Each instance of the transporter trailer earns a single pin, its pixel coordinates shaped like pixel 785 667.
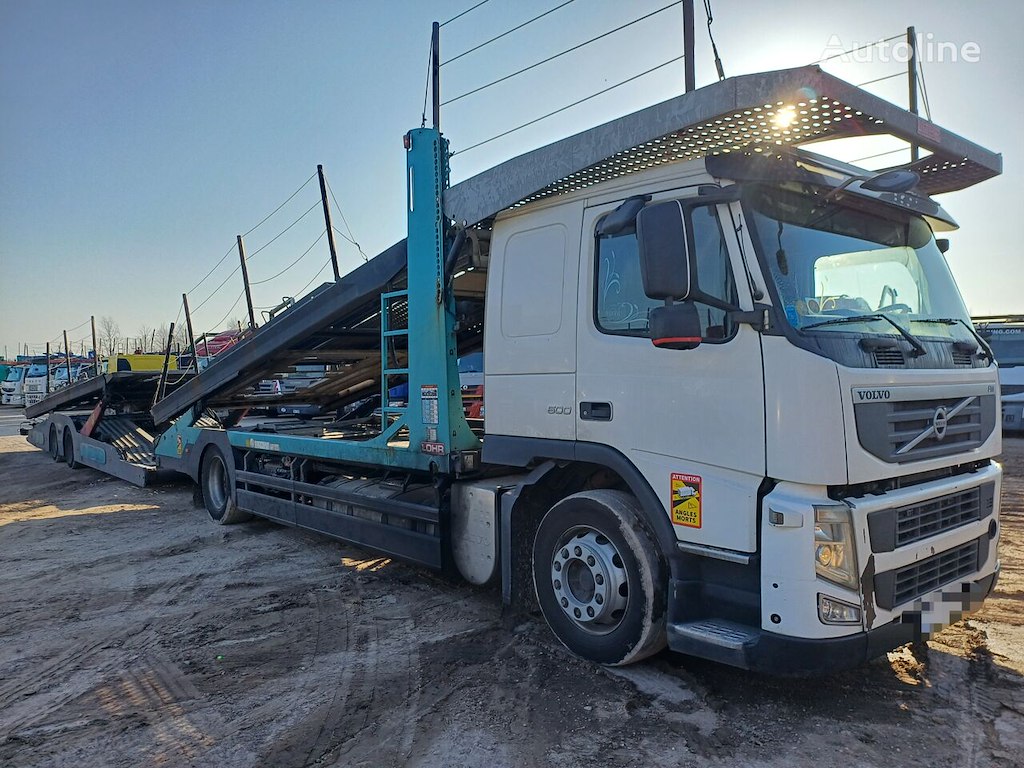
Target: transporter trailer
pixel 734 402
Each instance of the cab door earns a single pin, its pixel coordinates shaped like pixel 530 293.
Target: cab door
pixel 692 421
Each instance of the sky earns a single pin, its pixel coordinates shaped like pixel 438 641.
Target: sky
pixel 137 139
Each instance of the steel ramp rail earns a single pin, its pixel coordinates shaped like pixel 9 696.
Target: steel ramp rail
pixel 133 389
pixel 131 441
pixel 727 116
pixel 336 323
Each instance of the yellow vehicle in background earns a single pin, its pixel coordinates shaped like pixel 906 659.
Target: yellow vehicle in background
pixel 140 362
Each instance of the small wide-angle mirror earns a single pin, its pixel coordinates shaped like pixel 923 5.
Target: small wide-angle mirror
pixel 622 218
pixel 675 326
pixel 892 181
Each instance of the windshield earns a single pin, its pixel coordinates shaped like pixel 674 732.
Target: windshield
pixel 1007 345
pixel 35 371
pixel 15 374
pixel 61 373
pixel 831 261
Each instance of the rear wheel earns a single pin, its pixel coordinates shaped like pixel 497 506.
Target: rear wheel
pixel 215 480
pixel 69 450
pixel 600 579
pixel 53 445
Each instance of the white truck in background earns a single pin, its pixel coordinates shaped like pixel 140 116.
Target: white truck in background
pixel 1005 334
pixel 38 376
pixel 12 390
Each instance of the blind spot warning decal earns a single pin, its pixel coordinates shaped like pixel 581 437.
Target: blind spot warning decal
pixel 686 500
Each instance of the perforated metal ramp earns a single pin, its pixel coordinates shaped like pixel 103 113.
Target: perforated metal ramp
pixel 336 323
pixel 124 388
pixel 723 117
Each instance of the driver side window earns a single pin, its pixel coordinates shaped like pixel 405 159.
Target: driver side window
pixel 622 307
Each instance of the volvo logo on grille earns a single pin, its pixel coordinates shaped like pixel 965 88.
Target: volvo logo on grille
pixel 939 425
pixel 939 422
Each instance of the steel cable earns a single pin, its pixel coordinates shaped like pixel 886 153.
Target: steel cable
pixel 558 55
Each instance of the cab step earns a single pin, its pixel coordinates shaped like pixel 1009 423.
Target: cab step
pixel 715 639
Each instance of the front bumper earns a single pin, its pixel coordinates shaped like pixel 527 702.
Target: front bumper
pixel 775 654
pixel 780 655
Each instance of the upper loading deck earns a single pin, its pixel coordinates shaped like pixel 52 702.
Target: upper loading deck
pixel 340 324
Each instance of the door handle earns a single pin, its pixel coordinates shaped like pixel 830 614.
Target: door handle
pixel 592 411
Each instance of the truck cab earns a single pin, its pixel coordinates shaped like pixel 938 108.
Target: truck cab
pixel 820 433
pixel 12 390
pixel 36 381
pixel 1005 335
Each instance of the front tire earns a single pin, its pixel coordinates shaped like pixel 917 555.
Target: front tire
pixel 600 579
pixel 215 481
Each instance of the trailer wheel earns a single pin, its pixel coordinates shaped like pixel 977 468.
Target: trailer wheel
pixel 53 445
pixel 215 480
pixel 69 450
pixel 600 579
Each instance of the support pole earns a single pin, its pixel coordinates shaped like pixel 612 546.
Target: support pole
pixel 688 45
pixel 95 346
pixel 915 151
pixel 67 357
pixel 47 368
pixel 188 327
pixel 327 221
pixel 435 72
pixel 158 395
pixel 245 279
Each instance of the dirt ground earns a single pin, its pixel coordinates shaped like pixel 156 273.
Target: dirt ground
pixel 134 632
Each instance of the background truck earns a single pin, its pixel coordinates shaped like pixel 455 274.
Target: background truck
pixel 12 390
pixel 735 404
pixel 1005 334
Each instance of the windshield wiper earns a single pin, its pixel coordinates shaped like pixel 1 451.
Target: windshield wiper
pixel 960 321
pixel 919 349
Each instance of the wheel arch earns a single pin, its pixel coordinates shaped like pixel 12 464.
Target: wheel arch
pixel 560 469
pixel 209 438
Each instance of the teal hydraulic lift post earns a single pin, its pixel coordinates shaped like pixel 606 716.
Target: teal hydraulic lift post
pixel 433 416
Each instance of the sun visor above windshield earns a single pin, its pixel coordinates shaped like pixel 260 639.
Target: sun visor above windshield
pixel 800 166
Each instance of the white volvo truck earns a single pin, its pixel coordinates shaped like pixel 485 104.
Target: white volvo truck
pixel 735 403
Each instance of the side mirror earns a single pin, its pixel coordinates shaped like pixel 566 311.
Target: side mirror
pixel 675 326
pixel 942 243
pixel 664 263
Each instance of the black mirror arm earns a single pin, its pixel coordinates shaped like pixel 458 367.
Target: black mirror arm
pixel 758 318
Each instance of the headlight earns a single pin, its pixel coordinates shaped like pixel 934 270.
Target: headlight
pixel 835 558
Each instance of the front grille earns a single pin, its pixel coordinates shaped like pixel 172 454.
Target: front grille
pixel 963 358
pixel 897 527
pixel 920 521
pixel 887 429
pixel 889 356
pixel 900 586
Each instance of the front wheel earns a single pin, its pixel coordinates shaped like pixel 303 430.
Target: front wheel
pixel 600 579
pixel 53 445
pixel 215 481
